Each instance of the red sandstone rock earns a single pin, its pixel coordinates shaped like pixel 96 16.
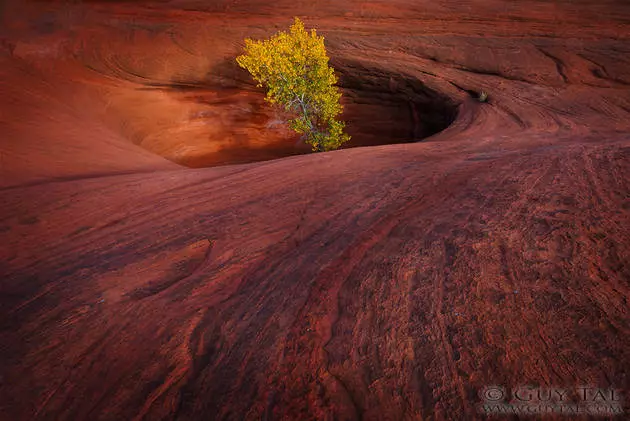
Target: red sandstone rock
pixel 387 282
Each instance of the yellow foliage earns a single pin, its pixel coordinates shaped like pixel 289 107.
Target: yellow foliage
pixel 294 69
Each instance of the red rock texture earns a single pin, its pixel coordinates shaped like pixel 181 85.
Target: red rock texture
pixel 390 282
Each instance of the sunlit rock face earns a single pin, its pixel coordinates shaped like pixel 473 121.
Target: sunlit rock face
pixel 169 249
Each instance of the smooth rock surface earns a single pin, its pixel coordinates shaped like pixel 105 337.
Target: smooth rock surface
pixel 390 282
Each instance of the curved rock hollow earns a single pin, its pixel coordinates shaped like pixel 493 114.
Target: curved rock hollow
pixel 384 107
pixel 179 93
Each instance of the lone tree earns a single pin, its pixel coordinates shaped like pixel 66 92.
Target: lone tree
pixel 293 67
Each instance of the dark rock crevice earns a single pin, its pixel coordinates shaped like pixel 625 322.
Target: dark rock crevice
pixel 388 108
